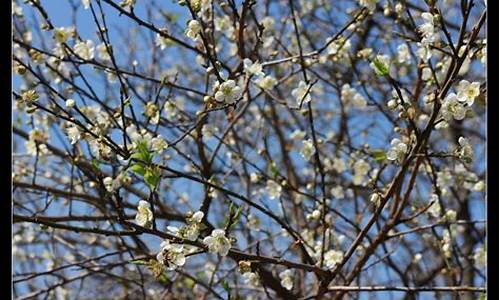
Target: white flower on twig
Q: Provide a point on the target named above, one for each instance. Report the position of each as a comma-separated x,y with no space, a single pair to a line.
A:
217,242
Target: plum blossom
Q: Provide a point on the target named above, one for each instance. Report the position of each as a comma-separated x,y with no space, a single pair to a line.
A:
287,279
70,103
350,95
375,198
435,208
480,257
61,34
307,150
266,82
301,93
144,216
361,168
192,230
158,144
228,92
29,97
251,278
370,4
467,91
427,28
73,133
217,242
253,68
108,183
273,189
194,28
84,49
452,108
465,151
102,52
333,257
397,151
127,3
171,255
403,54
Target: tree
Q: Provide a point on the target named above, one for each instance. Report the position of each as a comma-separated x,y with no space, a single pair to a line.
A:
249,149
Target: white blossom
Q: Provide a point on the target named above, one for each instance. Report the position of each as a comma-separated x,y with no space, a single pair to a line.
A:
217,242
70,103
450,215
194,28
197,217
337,192
73,133
361,168
251,278
273,189
403,54
103,53
158,144
228,92
427,28
287,279
397,151
435,208
452,108
370,4
333,257
108,184
86,4
301,93
61,34
375,198
85,49
171,255
266,82
307,150
29,96
480,257
479,186
467,91
446,243
127,3
144,216
252,68
350,95
465,153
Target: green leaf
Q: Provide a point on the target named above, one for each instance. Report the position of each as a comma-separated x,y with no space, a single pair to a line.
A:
274,170
236,217
139,262
379,155
163,279
142,153
152,177
380,68
95,164
138,168
174,17
225,285
189,283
